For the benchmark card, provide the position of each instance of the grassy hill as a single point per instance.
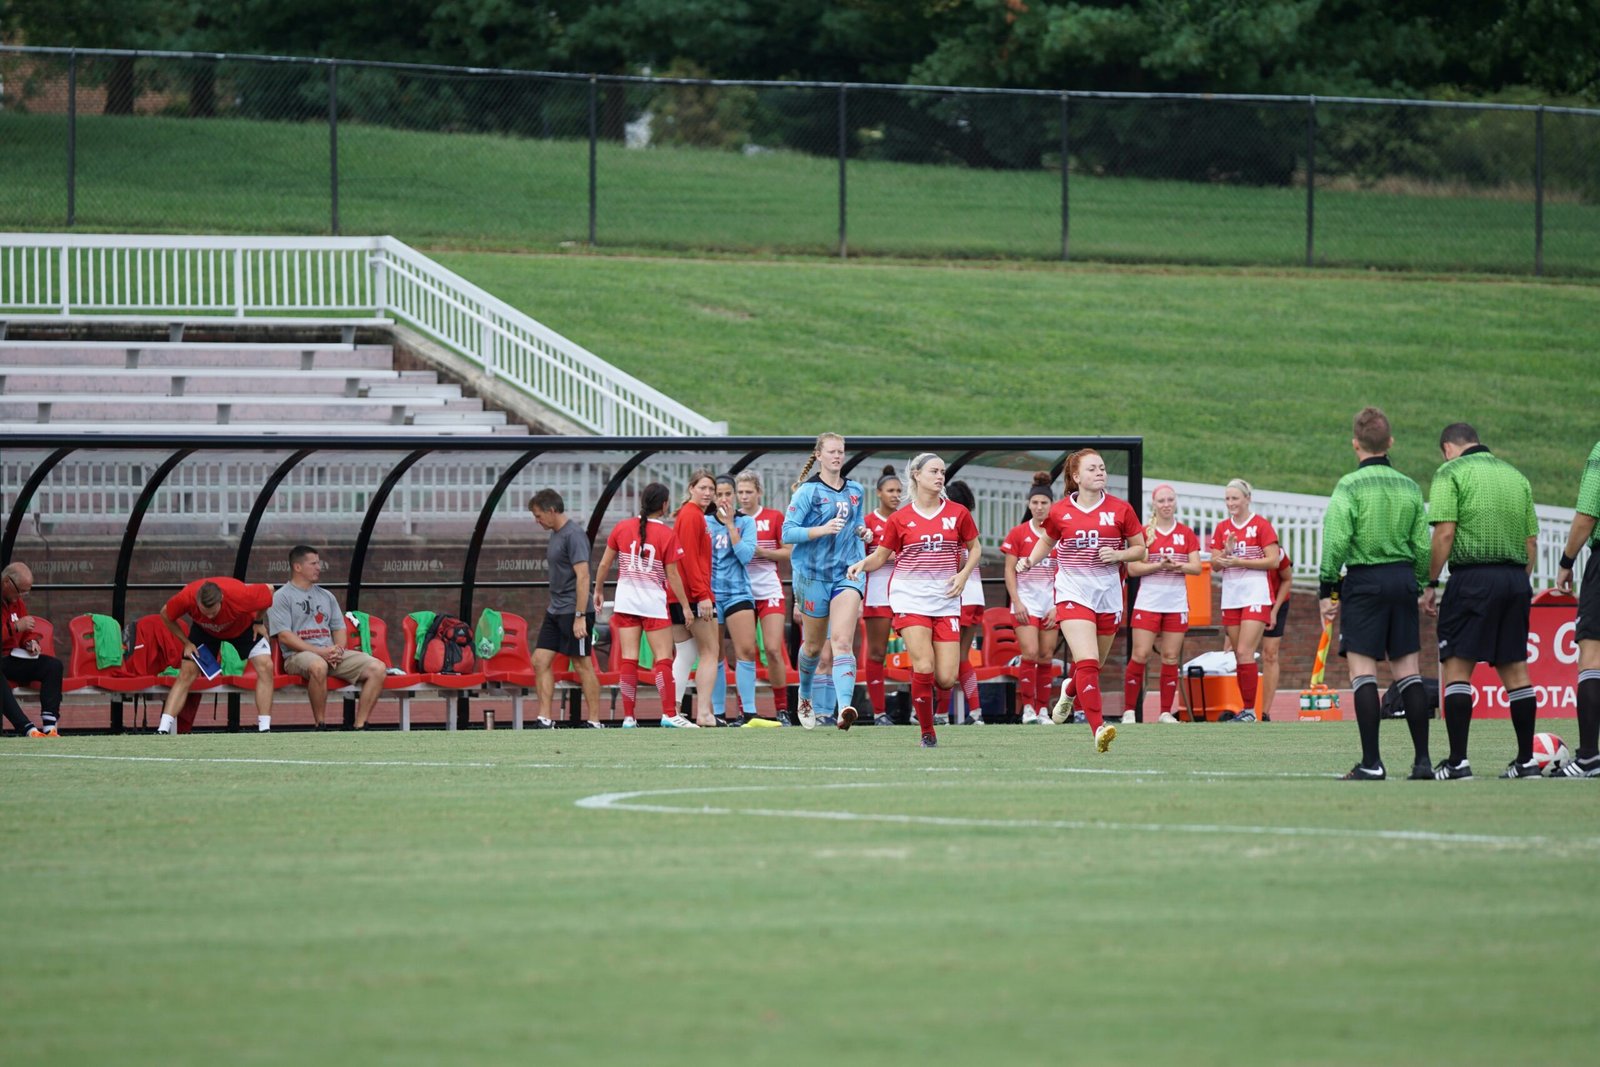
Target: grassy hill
(1224, 373)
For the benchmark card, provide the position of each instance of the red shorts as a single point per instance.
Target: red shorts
(772, 606)
(1234, 616)
(882, 611)
(1161, 622)
(1105, 622)
(945, 628)
(635, 622)
(972, 615)
(1036, 622)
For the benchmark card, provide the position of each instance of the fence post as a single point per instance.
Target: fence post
(1066, 212)
(594, 135)
(333, 144)
(1538, 191)
(72, 138)
(844, 149)
(1311, 180)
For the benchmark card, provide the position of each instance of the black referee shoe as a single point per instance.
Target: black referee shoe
(1362, 773)
(1578, 768)
(1520, 770)
(1449, 772)
(1420, 772)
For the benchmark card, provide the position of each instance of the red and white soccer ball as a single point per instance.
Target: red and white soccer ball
(1550, 752)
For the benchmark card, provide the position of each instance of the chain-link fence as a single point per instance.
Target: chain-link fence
(128, 141)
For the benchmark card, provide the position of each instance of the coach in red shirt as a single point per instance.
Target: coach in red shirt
(221, 611)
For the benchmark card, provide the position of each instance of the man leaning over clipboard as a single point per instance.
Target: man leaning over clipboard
(221, 611)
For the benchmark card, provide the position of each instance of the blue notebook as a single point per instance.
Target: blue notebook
(206, 660)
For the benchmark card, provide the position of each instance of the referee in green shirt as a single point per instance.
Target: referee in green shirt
(1481, 509)
(1587, 763)
(1375, 532)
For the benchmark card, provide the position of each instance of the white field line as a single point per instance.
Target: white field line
(625, 802)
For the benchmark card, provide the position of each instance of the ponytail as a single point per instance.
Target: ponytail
(1041, 485)
(652, 500)
(888, 475)
(811, 460)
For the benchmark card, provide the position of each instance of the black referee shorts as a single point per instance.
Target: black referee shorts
(1378, 612)
(1484, 616)
(1589, 599)
(555, 634)
(242, 642)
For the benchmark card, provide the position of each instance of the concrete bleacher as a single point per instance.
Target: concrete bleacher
(215, 386)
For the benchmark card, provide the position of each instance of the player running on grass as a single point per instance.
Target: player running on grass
(733, 545)
(1033, 594)
(1161, 610)
(925, 539)
(1092, 535)
(648, 553)
(824, 525)
(1244, 550)
(879, 615)
(767, 585)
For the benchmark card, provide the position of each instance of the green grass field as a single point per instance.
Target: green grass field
(1224, 373)
(238, 176)
(1202, 895)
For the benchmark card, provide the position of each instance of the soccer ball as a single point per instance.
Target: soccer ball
(1550, 752)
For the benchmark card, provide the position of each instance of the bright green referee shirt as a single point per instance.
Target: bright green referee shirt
(1589, 491)
(1375, 515)
(1491, 504)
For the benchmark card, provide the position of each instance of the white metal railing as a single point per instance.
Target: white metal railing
(83, 275)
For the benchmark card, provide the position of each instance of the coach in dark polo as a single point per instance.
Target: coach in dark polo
(1481, 510)
(568, 628)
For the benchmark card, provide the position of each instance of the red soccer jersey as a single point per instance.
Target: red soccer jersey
(1242, 587)
(878, 580)
(695, 540)
(241, 603)
(927, 555)
(765, 581)
(1036, 585)
(1080, 533)
(642, 567)
(1167, 591)
(1284, 573)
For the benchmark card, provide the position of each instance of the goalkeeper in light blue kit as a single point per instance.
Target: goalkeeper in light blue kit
(824, 524)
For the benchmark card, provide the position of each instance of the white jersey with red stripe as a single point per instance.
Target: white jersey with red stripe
(928, 555)
(1080, 533)
(1166, 591)
(765, 582)
(1036, 586)
(1242, 587)
(878, 580)
(642, 567)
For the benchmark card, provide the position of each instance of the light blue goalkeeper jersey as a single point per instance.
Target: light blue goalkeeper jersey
(815, 503)
(730, 582)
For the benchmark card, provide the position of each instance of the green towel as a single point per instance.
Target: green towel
(490, 634)
(358, 620)
(232, 665)
(107, 642)
(424, 619)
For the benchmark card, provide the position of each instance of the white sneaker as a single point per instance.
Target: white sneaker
(629, 722)
(1128, 716)
(975, 719)
(941, 719)
(1061, 714)
(169, 725)
(1104, 736)
(1167, 716)
(807, 717)
(1029, 716)
(678, 722)
(1044, 719)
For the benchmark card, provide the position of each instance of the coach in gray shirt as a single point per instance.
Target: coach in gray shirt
(569, 621)
(311, 633)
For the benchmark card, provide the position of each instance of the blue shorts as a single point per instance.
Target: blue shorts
(814, 596)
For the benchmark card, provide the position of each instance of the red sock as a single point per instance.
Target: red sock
(1071, 686)
(1086, 675)
(922, 701)
(668, 690)
(628, 686)
(1132, 682)
(1025, 676)
(1169, 686)
(1249, 680)
(967, 679)
(1043, 682)
(874, 675)
(186, 714)
(780, 698)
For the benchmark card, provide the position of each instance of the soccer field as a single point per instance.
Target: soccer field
(1201, 894)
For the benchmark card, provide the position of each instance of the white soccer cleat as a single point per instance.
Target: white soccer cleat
(1061, 714)
(1128, 716)
(1167, 716)
(1029, 717)
(629, 722)
(1104, 736)
(678, 722)
(807, 717)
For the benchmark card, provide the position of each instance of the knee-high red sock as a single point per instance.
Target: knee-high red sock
(1132, 682)
(1025, 678)
(1249, 681)
(668, 690)
(967, 679)
(1043, 682)
(1086, 674)
(1070, 685)
(1169, 686)
(873, 672)
(780, 699)
(628, 686)
(922, 700)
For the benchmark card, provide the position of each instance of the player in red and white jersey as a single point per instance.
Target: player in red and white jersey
(694, 621)
(877, 612)
(1161, 610)
(1033, 597)
(647, 553)
(1092, 535)
(925, 538)
(1244, 550)
(766, 582)
(972, 605)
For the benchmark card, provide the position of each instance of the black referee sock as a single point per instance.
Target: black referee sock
(1524, 716)
(1414, 698)
(1588, 714)
(1366, 692)
(1458, 718)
